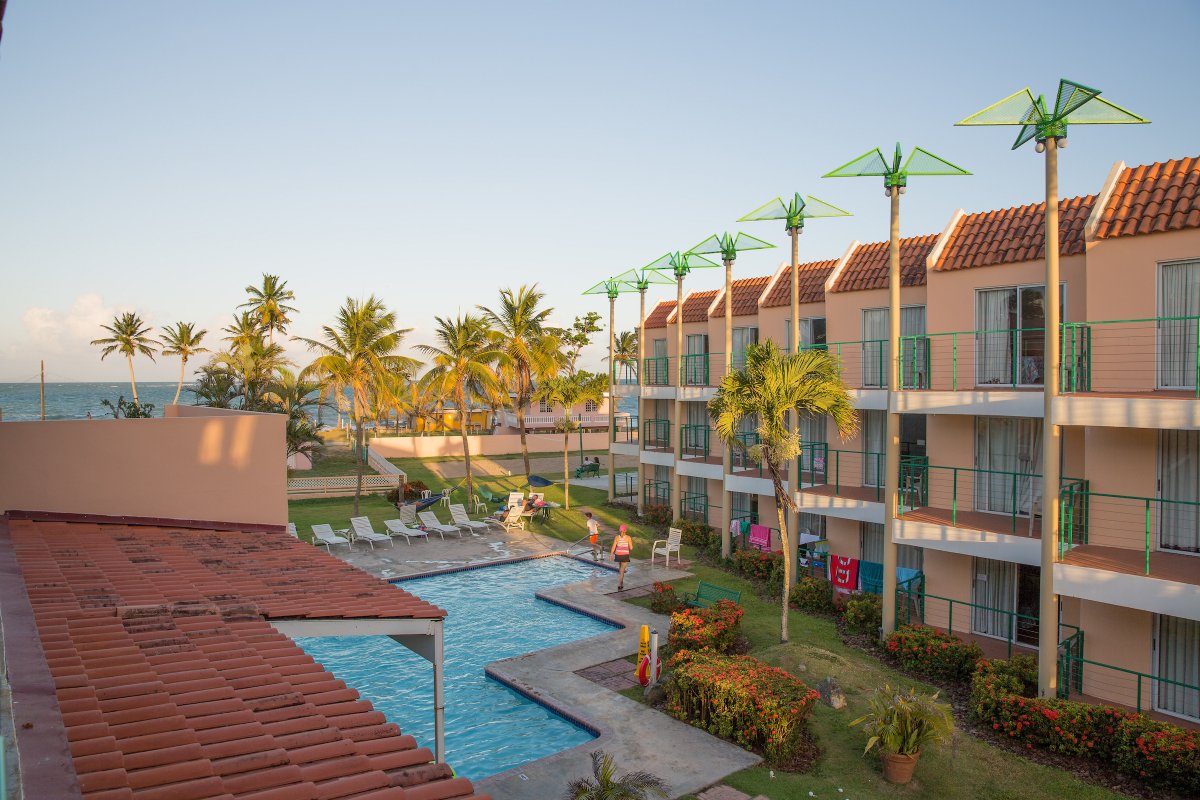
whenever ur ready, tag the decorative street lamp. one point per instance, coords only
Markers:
(895, 176)
(1075, 104)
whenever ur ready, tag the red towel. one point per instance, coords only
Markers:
(843, 573)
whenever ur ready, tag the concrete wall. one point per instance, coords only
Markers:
(194, 463)
(501, 444)
(844, 324)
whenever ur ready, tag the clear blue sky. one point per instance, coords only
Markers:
(159, 156)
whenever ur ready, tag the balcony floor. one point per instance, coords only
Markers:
(868, 494)
(976, 521)
(1167, 566)
(696, 459)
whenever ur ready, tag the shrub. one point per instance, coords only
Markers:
(933, 654)
(740, 698)
(757, 565)
(657, 516)
(1162, 754)
(696, 534)
(812, 595)
(905, 722)
(412, 491)
(863, 613)
(714, 628)
(665, 600)
(996, 678)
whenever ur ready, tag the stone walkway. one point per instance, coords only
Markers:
(728, 793)
(615, 675)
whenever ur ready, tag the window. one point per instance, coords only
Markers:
(1006, 598)
(874, 440)
(1179, 297)
(875, 332)
(812, 333)
(870, 535)
(591, 407)
(696, 437)
(656, 366)
(1008, 453)
(695, 365)
(1010, 335)
(1179, 478)
(811, 523)
(1177, 646)
(545, 407)
(812, 432)
(742, 339)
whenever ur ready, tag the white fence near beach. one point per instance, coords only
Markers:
(341, 485)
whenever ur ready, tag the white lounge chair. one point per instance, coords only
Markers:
(432, 523)
(516, 499)
(362, 529)
(669, 545)
(324, 535)
(397, 528)
(458, 515)
(515, 518)
(291, 529)
(408, 514)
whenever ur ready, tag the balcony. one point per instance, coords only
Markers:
(695, 506)
(658, 378)
(841, 483)
(625, 377)
(696, 453)
(656, 443)
(625, 435)
(1138, 552)
(656, 493)
(699, 375)
(863, 369)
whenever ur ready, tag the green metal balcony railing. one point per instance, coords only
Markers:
(1132, 355)
(1142, 691)
(1004, 493)
(864, 364)
(694, 441)
(657, 371)
(625, 429)
(695, 506)
(1013, 357)
(847, 468)
(656, 493)
(627, 484)
(1117, 520)
(701, 369)
(625, 373)
(740, 457)
(656, 434)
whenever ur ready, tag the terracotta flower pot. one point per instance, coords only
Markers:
(898, 768)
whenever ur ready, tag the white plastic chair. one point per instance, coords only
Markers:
(431, 522)
(362, 529)
(458, 515)
(324, 535)
(478, 505)
(426, 494)
(397, 528)
(291, 529)
(669, 545)
(445, 497)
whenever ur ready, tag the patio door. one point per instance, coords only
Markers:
(1177, 659)
(696, 441)
(1179, 308)
(742, 339)
(1000, 591)
(695, 370)
(1008, 455)
(812, 333)
(1010, 337)
(1179, 482)
(875, 352)
(874, 441)
(814, 431)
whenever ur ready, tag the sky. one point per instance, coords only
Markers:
(158, 157)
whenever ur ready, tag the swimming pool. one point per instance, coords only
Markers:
(493, 615)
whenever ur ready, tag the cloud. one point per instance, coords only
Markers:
(56, 331)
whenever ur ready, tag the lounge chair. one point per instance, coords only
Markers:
(432, 523)
(397, 528)
(324, 535)
(516, 499)
(668, 546)
(458, 515)
(291, 529)
(515, 518)
(362, 529)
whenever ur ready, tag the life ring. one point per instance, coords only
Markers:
(643, 672)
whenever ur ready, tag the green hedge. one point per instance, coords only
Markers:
(933, 654)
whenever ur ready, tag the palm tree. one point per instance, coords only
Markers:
(216, 387)
(358, 352)
(244, 329)
(254, 365)
(268, 304)
(183, 340)
(130, 336)
(625, 351)
(766, 389)
(569, 391)
(462, 370)
(531, 351)
(607, 786)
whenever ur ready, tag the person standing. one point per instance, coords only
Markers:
(593, 527)
(622, 549)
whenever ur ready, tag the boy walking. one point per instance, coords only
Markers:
(593, 527)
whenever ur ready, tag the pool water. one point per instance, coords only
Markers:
(493, 615)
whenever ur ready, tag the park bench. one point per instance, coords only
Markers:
(590, 468)
(708, 593)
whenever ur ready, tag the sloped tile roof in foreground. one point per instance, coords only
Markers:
(1153, 198)
(172, 685)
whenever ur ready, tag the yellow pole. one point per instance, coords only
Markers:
(641, 373)
(891, 455)
(1048, 601)
(793, 516)
(726, 458)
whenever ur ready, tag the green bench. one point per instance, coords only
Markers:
(590, 468)
(708, 593)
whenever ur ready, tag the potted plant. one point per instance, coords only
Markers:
(901, 723)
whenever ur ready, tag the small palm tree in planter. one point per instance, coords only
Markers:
(901, 723)
(607, 786)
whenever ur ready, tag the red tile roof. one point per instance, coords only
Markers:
(746, 292)
(867, 267)
(1152, 198)
(1014, 234)
(812, 284)
(172, 686)
(695, 305)
(657, 318)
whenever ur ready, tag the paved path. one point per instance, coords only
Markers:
(544, 465)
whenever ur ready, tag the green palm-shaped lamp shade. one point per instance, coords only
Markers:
(640, 280)
(611, 287)
(679, 264)
(794, 211)
(728, 245)
(1075, 104)
(896, 172)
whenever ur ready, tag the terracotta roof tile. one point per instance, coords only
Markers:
(657, 318)
(1153, 198)
(812, 284)
(746, 292)
(1015, 234)
(867, 267)
(695, 305)
(172, 684)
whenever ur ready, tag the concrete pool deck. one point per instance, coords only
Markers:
(637, 736)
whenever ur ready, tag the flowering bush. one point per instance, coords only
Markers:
(695, 533)
(863, 613)
(714, 628)
(758, 565)
(665, 600)
(740, 698)
(657, 516)
(1163, 755)
(996, 678)
(933, 654)
(812, 595)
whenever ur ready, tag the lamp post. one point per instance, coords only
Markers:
(612, 287)
(895, 179)
(1075, 104)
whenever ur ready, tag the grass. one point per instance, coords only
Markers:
(968, 767)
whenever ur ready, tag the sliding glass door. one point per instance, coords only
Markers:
(1010, 335)
(1008, 457)
(1177, 662)
(875, 351)
(1179, 308)
(1006, 600)
(1179, 479)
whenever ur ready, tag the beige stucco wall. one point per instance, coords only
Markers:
(1122, 461)
(947, 575)
(1121, 637)
(844, 324)
(194, 463)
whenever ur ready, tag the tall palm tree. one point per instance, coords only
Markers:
(358, 352)
(461, 369)
(254, 365)
(216, 387)
(268, 304)
(625, 350)
(289, 394)
(243, 331)
(129, 336)
(569, 391)
(766, 389)
(183, 340)
(531, 350)
(605, 785)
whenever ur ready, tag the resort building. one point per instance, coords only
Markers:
(972, 372)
